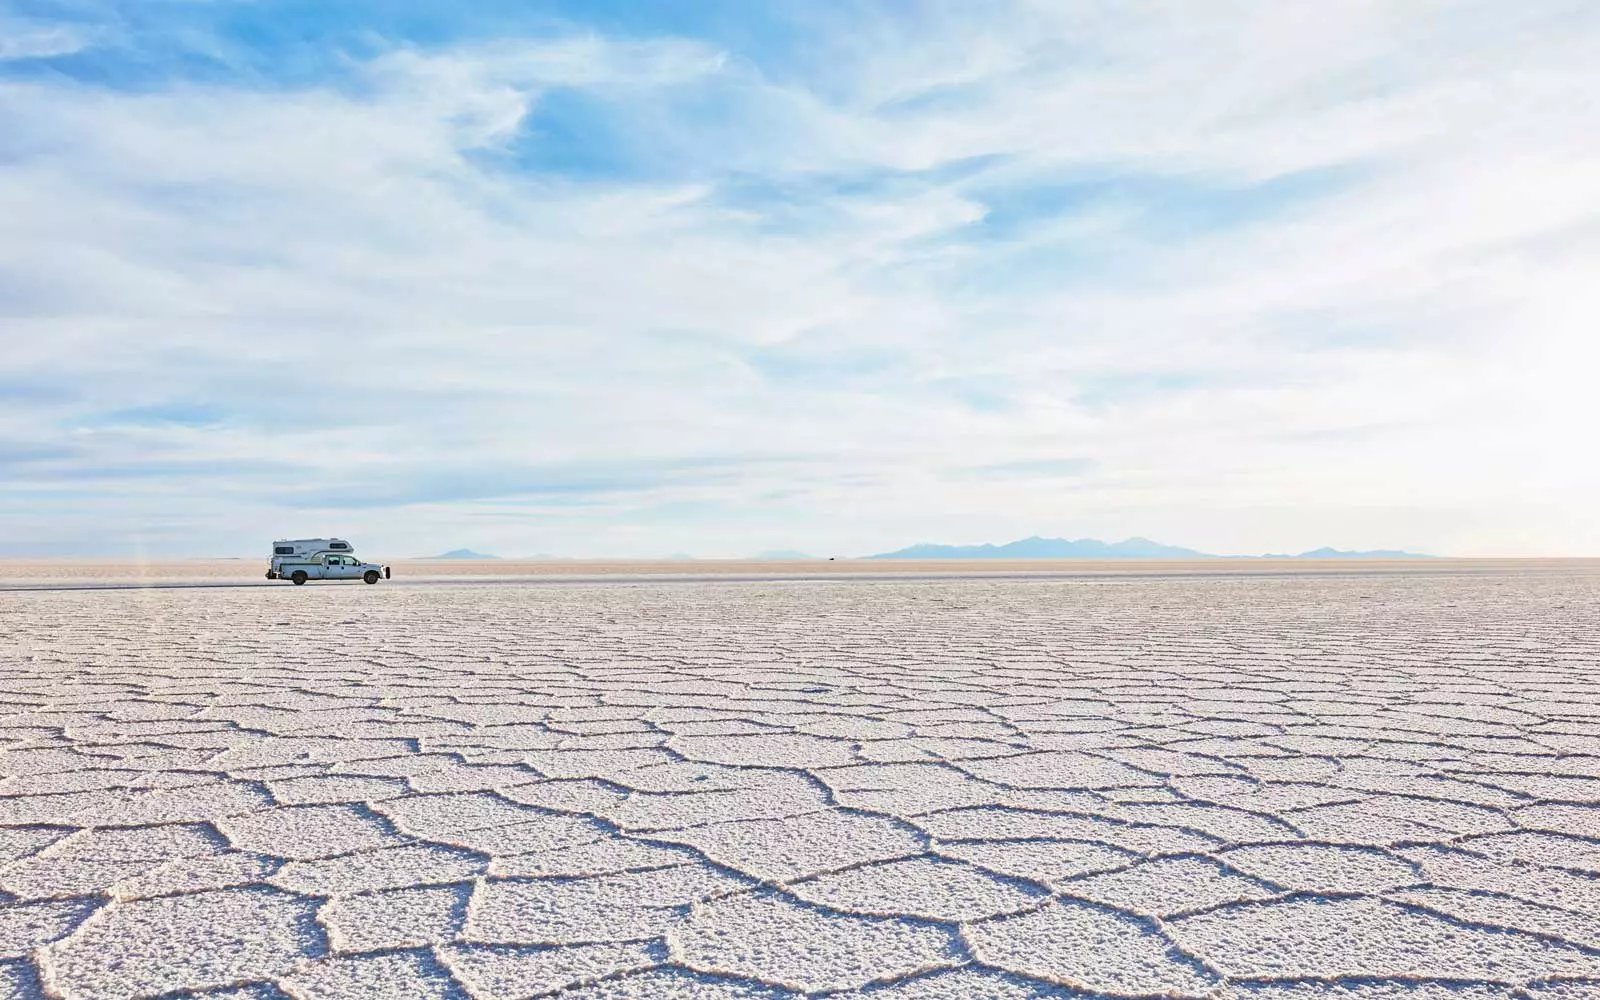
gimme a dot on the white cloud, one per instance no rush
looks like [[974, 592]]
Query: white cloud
[[780, 319], [22, 38]]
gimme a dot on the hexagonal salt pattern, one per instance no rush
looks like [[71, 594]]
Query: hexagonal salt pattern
[[1361, 786]]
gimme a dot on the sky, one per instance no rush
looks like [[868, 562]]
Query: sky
[[634, 277]]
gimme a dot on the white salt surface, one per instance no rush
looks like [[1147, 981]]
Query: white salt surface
[[1334, 786]]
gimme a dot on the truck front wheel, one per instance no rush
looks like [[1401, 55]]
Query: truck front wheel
[[299, 577], [371, 576]]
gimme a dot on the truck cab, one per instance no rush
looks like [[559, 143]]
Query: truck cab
[[301, 559]]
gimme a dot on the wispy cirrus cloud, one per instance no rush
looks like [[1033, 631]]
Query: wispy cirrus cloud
[[744, 280], [25, 38]]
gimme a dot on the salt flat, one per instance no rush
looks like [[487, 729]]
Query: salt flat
[[1361, 784]]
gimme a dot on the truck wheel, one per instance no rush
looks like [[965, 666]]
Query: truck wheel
[[299, 577], [371, 576]]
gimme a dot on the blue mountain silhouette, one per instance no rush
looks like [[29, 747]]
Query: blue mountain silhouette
[[1092, 548]]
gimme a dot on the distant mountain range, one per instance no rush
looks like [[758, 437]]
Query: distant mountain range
[[1023, 548], [1093, 548], [1327, 553]]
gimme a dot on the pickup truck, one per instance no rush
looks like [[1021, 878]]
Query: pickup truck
[[326, 566]]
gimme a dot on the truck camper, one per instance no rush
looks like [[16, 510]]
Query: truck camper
[[300, 559]]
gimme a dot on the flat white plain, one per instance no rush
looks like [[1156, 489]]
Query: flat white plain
[[1342, 784]]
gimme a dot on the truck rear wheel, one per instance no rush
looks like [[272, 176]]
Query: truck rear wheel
[[298, 576], [371, 576]]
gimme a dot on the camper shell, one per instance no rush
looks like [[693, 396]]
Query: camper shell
[[310, 546], [300, 559]]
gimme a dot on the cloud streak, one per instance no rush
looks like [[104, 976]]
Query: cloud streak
[[1256, 282]]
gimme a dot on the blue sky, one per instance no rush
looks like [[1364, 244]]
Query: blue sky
[[630, 278]]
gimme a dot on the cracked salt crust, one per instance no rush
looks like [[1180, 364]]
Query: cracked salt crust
[[921, 887], [955, 984], [397, 976], [1349, 937], [1393, 990], [778, 800], [329, 788], [601, 857], [304, 833], [674, 984], [1090, 947], [533, 831], [1551, 849], [1243, 788], [626, 907], [182, 875], [1323, 868], [771, 938], [499, 972], [804, 845], [383, 868], [1502, 911], [1006, 823], [1047, 861], [395, 918], [1167, 886], [213, 938], [25, 926], [1571, 891]]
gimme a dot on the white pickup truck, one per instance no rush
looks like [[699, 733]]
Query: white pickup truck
[[300, 559]]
